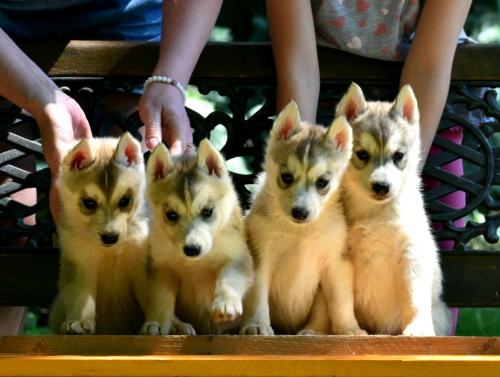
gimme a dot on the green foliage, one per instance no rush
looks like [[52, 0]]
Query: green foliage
[[483, 22], [35, 322], [479, 322]]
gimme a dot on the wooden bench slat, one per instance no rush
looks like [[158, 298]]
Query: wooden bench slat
[[248, 356], [250, 61], [284, 345], [445, 366]]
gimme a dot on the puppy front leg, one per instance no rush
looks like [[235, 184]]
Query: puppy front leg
[[78, 297], [337, 285], [417, 315], [318, 322], [160, 313], [256, 318], [232, 283]]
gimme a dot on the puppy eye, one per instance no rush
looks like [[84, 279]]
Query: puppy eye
[[321, 183], [172, 216], [363, 155], [124, 202], [89, 203], [397, 157], [206, 213], [287, 178]]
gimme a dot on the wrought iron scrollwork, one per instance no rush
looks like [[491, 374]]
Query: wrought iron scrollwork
[[472, 111]]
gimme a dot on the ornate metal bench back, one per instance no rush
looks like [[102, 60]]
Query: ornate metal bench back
[[248, 106]]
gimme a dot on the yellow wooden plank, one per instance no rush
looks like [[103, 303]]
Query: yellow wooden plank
[[452, 366]]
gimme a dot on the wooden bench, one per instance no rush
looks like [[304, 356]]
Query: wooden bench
[[244, 75]]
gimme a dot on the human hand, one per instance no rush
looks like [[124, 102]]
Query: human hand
[[162, 111], [62, 122]]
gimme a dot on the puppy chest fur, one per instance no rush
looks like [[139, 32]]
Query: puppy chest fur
[[381, 294]]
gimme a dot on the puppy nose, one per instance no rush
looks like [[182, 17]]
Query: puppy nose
[[192, 250], [109, 238], [381, 188], [300, 213]]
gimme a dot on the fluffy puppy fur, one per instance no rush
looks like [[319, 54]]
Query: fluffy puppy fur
[[397, 276], [200, 263], [103, 235], [296, 233]]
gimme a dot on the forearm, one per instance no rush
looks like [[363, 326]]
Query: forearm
[[295, 54], [22, 81], [186, 27], [429, 62], [431, 91]]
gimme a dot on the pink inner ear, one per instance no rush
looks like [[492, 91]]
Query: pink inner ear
[[351, 112], [286, 130], [159, 170], [131, 154], [341, 138], [408, 109], [212, 166], [77, 162]]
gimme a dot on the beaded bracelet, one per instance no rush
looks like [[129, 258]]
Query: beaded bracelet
[[166, 80]]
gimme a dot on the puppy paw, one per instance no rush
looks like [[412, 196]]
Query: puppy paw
[[174, 327], [419, 328], [151, 328], [307, 332], [355, 331], [182, 328], [226, 307], [350, 330], [255, 329], [83, 327]]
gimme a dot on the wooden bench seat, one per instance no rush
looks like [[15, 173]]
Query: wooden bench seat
[[248, 356], [244, 75]]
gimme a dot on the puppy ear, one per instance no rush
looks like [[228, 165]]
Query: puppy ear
[[128, 151], [352, 104], [80, 157], [210, 160], [406, 105], [340, 133], [159, 163], [287, 123]]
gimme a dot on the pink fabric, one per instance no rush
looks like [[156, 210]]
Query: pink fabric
[[456, 199], [375, 29]]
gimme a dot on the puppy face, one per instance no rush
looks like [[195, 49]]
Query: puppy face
[[386, 142], [102, 184], [192, 197], [305, 162]]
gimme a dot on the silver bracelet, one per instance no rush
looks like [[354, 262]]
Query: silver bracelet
[[166, 80]]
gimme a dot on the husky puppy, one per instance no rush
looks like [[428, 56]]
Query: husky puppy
[[297, 232], [397, 277], [200, 267], [103, 238]]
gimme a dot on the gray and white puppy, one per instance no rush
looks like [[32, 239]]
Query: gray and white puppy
[[297, 233], [397, 276]]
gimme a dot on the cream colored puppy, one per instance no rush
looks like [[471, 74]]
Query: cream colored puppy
[[200, 264], [103, 235], [396, 264], [297, 233]]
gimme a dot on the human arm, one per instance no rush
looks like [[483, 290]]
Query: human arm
[[60, 119], [293, 38], [186, 27], [428, 65]]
